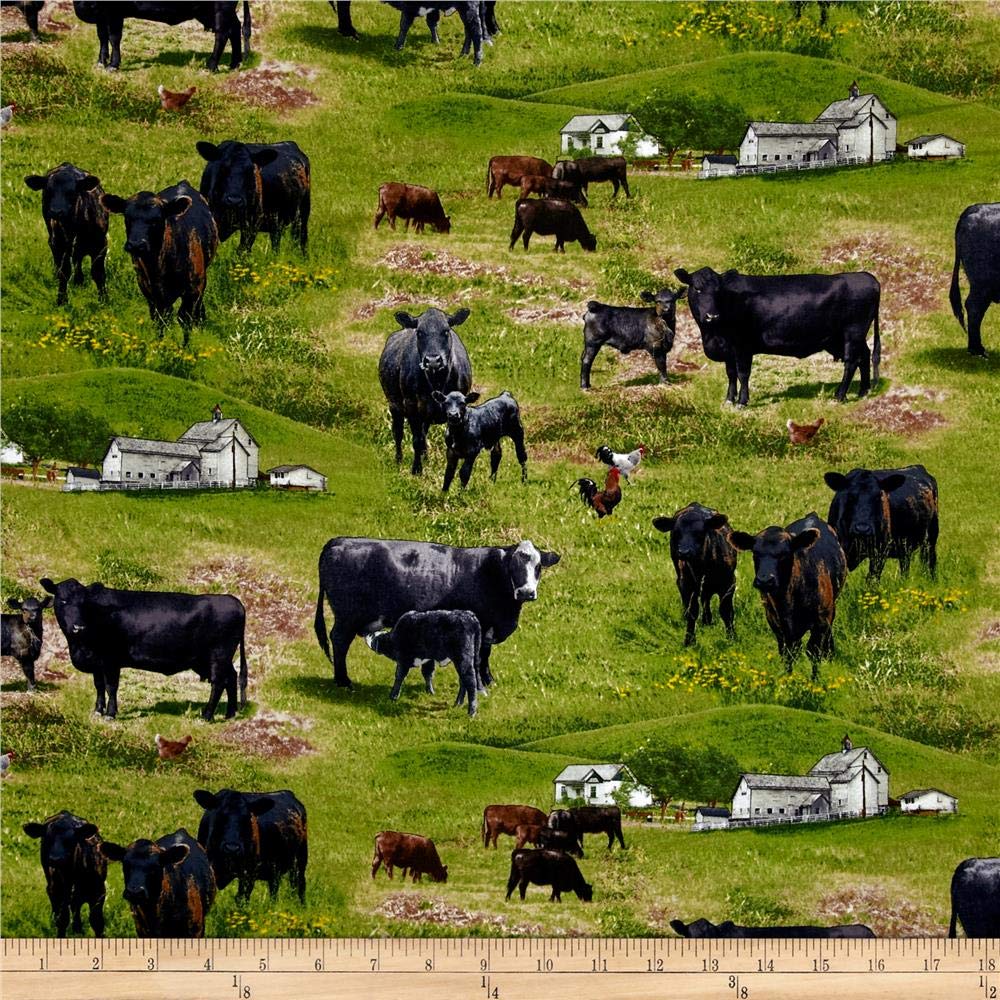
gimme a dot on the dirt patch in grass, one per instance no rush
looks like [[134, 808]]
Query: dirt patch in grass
[[269, 734], [991, 631], [421, 260], [899, 411], [268, 86], [870, 905], [417, 909], [562, 313], [388, 301]]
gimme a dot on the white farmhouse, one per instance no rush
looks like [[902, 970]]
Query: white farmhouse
[[596, 783], [928, 800], [934, 147], [296, 477], [604, 134]]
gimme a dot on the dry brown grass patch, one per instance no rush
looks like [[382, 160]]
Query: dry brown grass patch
[[894, 411], [269, 734], [870, 905], [418, 909], [268, 87]]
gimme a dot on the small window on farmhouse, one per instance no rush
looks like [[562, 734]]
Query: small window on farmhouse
[[756, 812], [152, 475], [128, 475], [769, 810], [764, 157], [782, 811], [600, 142], [593, 791]]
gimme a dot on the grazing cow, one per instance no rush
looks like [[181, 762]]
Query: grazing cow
[[885, 514], [977, 249], [30, 9], [507, 819], [549, 187], [559, 840], [799, 571], [163, 632], [425, 638], [554, 868], [416, 204], [705, 929], [220, 18], [704, 560], [255, 837], [75, 870], [628, 329], [371, 582], [21, 634], [470, 13], [425, 356], [171, 238], [77, 225], [473, 428], [551, 217], [511, 170], [792, 315], [599, 819], [975, 898], [528, 833], [257, 188], [408, 851], [594, 170], [168, 884]]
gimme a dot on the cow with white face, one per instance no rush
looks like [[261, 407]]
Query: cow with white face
[[371, 583]]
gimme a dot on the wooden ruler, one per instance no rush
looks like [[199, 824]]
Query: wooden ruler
[[497, 969]]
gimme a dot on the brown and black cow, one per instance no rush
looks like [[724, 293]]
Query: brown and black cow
[[408, 851], [412, 203], [510, 169], [549, 187], [499, 819]]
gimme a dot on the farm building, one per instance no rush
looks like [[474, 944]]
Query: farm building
[[924, 801], [596, 783], [717, 165], [81, 479], [934, 147], [710, 818], [296, 477], [603, 135]]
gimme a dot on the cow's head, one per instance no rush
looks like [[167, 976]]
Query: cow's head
[[860, 509], [234, 186], [31, 610], [63, 837], [440, 874], [143, 865], [433, 329], [700, 928], [146, 217], [588, 241], [381, 642], [524, 564], [691, 531], [229, 831], [455, 405], [774, 552], [705, 290], [445, 226], [665, 303], [61, 187], [565, 170], [70, 602]]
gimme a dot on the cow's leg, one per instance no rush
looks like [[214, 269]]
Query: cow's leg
[[397, 432], [232, 699], [345, 25], [659, 357], [628, 194], [522, 888], [99, 273], [515, 232], [465, 473], [28, 669], [433, 19], [341, 637], [376, 861], [615, 186], [419, 434], [76, 905], [244, 889], [273, 884], [115, 27], [517, 436], [99, 687], [928, 551], [62, 255], [484, 663], [235, 42], [111, 677], [96, 914], [300, 227], [850, 367], [587, 362], [402, 669], [689, 597], [60, 914], [379, 215], [976, 306], [275, 237], [743, 365], [511, 882], [427, 669], [474, 33], [866, 369], [706, 603], [905, 557], [451, 465], [103, 55], [726, 611], [405, 22], [221, 32], [216, 693], [731, 376], [876, 563], [560, 246], [78, 254]]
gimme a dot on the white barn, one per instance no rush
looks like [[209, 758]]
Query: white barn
[[934, 147], [296, 477], [717, 165], [596, 783], [78, 479], [710, 818], [604, 134], [928, 800]]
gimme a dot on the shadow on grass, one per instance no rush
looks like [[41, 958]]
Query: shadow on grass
[[818, 390], [380, 47], [958, 359], [21, 687], [413, 701], [673, 378]]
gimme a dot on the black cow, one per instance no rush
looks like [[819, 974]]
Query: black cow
[[471, 13], [628, 329], [799, 571], [426, 355], [473, 428], [560, 840], [551, 217], [371, 582], [599, 819], [257, 188], [542, 867], [163, 632], [30, 9], [169, 884], [428, 638], [705, 929], [253, 837], [704, 560], [75, 870], [885, 514], [593, 170], [220, 18], [977, 249], [77, 224], [975, 898], [793, 315], [171, 238], [21, 634], [549, 187]]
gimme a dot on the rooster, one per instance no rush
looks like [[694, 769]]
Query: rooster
[[171, 101], [623, 463], [7, 114], [168, 749], [5, 761], [803, 433], [602, 501]]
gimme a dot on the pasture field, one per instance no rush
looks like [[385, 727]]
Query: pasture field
[[597, 665]]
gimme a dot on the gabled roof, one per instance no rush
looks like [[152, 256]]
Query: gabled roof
[[720, 159], [927, 138], [838, 763], [282, 470], [83, 473], [791, 782], [712, 811], [171, 449], [206, 431], [858, 120], [222, 444], [587, 123], [849, 108], [583, 772], [804, 129], [917, 792]]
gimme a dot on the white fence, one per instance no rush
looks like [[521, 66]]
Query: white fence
[[241, 484], [840, 161]]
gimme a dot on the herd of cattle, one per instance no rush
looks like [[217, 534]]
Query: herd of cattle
[[170, 884]]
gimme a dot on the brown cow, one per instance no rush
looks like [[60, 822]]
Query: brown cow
[[506, 819], [549, 187], [510, 169], [408, 851], [413, 203], [528, 833]]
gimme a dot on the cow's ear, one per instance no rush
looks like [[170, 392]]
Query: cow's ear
[[173, 856], [549, 558], [457, 319], [87, 831], [679, 927], [97, 587], [716, 521], [47, 585], [207, 151], [744, 541], [44, 604], [260, 806], [835, 480], [731, 273], [35, 181], [471, 397], [405, 320], [13, 602], [438, 396], [805, 539], [176, 206], [681, 293], [205, 799], [112, 851], [263, 157], [663, 523], [113, 203], [889, 483], [87, 183], [681, 275], [35, 830], [647, 296]]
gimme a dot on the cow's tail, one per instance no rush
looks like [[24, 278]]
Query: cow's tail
[[955, 295], [247, 27], [876, 344], [489, 177], [486, 831], [320, 622], [243, 669]]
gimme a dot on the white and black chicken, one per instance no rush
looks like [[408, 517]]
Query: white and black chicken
[[625, 464]]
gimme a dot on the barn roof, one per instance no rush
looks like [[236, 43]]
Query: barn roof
[[792, 782], [847, 108], [587, 123], [83, 473], [917, 792], [927, 138], [720, 158], [281, 470], [171, 449], [206, 431], [805, 129], [578, 772], [838, 763], [713, 811]]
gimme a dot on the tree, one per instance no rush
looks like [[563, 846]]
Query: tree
[[671, 770], [683, 120], [33, 426], [82, 437]]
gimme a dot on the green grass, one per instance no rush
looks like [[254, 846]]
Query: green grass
[[588, 673]]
